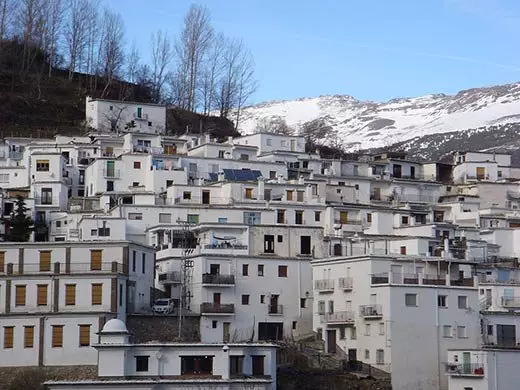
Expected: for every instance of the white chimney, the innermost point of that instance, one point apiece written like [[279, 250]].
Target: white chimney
[[208, 138], [261, 188], [230, 140], [301, 180], [221, 176]]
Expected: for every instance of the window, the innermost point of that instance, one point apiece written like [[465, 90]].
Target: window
[[463, 301], [19, 295], [2, 261], [317, 216], [84, 335], [186, 195], [369, 217], [258, 365], [404, 220], [134, 256], [353, 333], [290, 194], [302, 303], [381, 328], [169, 183], [331, 307], [248, 193], [343, 217], [135, 216], [95, 260], [298, 217], [135, 184], [321, 307], [380, 356], [262, 298], [28, 336], [410, 299], [299, 196], [305, 245], [338, 251], [165, 218], [110, 185], [245, 269], [93, 232], [280, 216], [251, 218], [367, 330], [97, 293], [46, 197], [268, 243], [342, 333], [446, 331], [442, 301], [137, 164], [236, 365], [367, 354], [260, 270], [490, 330], [244, 157], [103, 232], [461, 332], [141, 363], [222, 220], [57, 336], [41, 295], [279, 238], [272, 174], [282, 271], [42, 165], [221, 153], [149, 124], [121, 294], [268, 141], [214, 324], [45, 261], [8, 336], [143, 263], [245, 299], [70, 294], [193, 218]]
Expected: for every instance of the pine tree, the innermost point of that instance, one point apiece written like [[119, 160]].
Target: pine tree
[[19, 226]]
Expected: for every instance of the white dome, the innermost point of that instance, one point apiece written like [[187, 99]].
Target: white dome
[[114, 326]]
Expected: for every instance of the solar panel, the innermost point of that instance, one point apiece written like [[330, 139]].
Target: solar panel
[[213, 176], [240, 174]]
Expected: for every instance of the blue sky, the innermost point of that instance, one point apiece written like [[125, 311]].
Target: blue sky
[[370, 49]]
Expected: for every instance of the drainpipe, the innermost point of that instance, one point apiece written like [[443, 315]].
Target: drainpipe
[[438, 339], [496, 366]]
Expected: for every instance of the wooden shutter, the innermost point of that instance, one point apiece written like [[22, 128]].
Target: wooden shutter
[[290, 194], [97, 293], [41, 297], [20, 295], [45, 261], [84, 335], [95, 260], [249, 193], [57, 336], [70, 294], [343, 216], [8, 336], [2, 262], [28, 336]]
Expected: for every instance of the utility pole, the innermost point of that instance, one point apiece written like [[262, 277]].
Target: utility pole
[[186, 273]]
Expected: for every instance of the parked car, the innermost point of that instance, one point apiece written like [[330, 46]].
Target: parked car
[[163, 306]]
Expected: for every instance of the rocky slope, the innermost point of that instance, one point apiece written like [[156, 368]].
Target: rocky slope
[[359, 124]]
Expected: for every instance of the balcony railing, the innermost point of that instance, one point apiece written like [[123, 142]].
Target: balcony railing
[[381, 278], [15, 155], [217, 308], [63, 268], [465, 369], [218, 279], [489, 279], [345, 283], [111, 173], [170, 277], [512, 302], [225, 245], [349, 221], [324, 285], [370, 311], [339, 317], [275, 310]]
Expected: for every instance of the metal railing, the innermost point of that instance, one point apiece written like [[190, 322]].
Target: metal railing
[[483, 278], [64, 268], [15, 155], [217, 308], [218, 279], [324, 285], [275, 309], [471, 369], [350, 221], [339, 317], [345, 283], [111, 173], [367, 311], [513, 302], [170, 277], [381, 278], [225, 245]]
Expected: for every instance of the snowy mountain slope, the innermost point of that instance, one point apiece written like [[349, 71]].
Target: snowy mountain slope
[[364, 124]]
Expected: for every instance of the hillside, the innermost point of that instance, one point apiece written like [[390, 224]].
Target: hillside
[[359, 124], [32, 104]]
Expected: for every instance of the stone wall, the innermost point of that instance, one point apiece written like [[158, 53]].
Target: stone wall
[[32, 378], [146, 328]]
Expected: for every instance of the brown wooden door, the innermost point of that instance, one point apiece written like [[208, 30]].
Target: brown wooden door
[[216, 298], [331, 341], [95, 260], [481, 172]]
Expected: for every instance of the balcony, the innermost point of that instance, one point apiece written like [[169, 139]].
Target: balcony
[[349, 221], [339, 318], [324, 285], [218, 280], [489, 279], [142, 116], [381, 278], [345, 283], [465, 369], [58, 268], [275, 310], [15, 155], [111, 173], [210, 308], [170, 277], [510, 302], [226, 245], [369, 312]]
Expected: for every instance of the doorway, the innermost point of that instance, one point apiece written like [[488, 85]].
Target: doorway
[[205, 197], [216, 298], [226, 332], [273, 304], [331, 340]]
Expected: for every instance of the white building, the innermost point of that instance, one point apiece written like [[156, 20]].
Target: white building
[[173, 366], [121, 116], [57, 296]]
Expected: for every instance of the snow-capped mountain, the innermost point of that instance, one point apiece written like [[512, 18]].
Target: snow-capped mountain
[[363, 124]]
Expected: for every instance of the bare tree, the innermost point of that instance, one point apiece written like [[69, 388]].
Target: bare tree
[[112, 56], [162, 54], [76, 32], [213, 66], [7, 12], [132, 64], [191, 48], [91, 37], [30, 19], [247, 83], [54, 20]]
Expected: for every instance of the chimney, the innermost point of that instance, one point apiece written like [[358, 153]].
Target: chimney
[[230, 140], [301, 180], [280, 179], [208, 138], [446, 251], [261, 188], [220, 176], [308, 193]]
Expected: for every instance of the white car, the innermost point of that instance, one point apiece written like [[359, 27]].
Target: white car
[[163, 306]]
